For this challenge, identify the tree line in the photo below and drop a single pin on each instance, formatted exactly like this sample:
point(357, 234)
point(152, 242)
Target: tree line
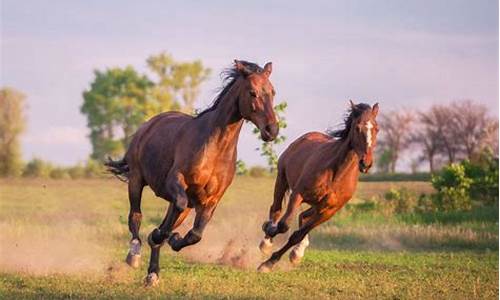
point(443, 134)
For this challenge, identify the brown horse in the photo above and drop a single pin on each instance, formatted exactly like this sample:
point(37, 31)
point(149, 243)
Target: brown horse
point(321, 170)
point(190, 161)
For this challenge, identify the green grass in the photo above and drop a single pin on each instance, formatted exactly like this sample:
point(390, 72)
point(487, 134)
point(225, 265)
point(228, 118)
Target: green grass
point(64, 239)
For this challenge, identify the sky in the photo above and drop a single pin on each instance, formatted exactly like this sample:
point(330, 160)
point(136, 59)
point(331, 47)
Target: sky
point(402, 54)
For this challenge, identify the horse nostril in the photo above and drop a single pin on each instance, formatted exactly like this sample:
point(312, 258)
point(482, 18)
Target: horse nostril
point(272, 129)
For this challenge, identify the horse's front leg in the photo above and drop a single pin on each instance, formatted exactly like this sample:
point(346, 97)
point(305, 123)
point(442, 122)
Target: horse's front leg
point(283, 225)
point(203, 216)
point(175, 192)
point(297, 237)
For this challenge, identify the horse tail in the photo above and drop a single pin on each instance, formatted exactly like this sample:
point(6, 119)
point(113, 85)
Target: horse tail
point(119, 168)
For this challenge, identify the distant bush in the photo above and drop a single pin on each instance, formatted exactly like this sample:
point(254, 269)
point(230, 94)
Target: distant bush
point(76, 172)
point(37, 168)
point(375, 177)
point(94, 169)
point(453, 188)
point(401, 200)
point(258, 171)
point(59, 173)
point(484, 176)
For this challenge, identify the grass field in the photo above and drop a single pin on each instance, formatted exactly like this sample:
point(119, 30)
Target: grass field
point(68, 239)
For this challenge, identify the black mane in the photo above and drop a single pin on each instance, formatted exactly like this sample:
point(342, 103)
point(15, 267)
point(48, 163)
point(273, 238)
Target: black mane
point(229, 77)
point(351, 114)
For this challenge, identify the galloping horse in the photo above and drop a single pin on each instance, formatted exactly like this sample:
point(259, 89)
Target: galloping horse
point(190, 161)
point(321, 170)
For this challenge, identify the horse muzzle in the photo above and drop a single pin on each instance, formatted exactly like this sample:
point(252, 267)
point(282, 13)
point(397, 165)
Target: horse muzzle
point(269, 132)
point(363, 168)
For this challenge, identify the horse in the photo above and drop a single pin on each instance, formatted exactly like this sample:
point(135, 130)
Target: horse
point(190, 160)
point(322, 171)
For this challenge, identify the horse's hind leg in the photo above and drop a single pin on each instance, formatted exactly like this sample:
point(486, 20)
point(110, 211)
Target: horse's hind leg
point(298, 251)
point(135, 187)
point(280, 189)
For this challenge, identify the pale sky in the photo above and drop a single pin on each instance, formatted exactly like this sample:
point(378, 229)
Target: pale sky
point(399, 53)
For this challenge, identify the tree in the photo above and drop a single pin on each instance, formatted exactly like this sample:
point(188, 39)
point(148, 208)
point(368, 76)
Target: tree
point(267, 148)
point(12, 124)
point(428, 135)
point(472, 127)
point(178, 83)
point(117, 100)
point(395, 134)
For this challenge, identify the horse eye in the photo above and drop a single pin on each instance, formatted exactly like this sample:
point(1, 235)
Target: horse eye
point(253, 93)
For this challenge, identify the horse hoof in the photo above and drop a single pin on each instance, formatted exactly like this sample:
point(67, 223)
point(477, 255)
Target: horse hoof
point(270, 229)
point(266, 246)
point(265, 267)
point(295, 258)
point(133, 260)
point(152, 280)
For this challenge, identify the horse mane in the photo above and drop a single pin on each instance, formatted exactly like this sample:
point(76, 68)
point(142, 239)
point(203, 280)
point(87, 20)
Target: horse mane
point(352, 113)
point(229, 77)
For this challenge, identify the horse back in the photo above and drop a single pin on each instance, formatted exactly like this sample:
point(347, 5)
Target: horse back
point(300, 154)
point(152, 149)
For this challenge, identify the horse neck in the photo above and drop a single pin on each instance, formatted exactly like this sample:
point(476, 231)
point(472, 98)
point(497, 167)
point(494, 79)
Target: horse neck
point(345, 161)
point(225, 121)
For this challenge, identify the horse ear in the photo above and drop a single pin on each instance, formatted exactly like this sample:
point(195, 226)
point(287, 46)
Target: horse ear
point(353, 106)
point(241, 67)
point(375, 110)
point(268, 69)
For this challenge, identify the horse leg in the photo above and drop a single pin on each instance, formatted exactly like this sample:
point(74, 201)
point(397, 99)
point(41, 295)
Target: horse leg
point(298, 251)
point(156, 239)
point(203, 216)
point(135, 187)
point(280, 189)
point(297, 237)
point(284, 223)
point(177, 208)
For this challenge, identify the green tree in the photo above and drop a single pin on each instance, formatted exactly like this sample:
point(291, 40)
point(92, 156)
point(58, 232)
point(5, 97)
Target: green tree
point(267, 149)
point(12, 124)
point(178, 83)
point(115, 105)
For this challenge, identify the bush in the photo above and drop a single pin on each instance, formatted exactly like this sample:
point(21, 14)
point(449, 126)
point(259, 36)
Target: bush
point(94, 169)
point(401, 200)
point(453, 188)
point(484, 176)
point(258, 171)
point(76, 172)
point(59, 173)
point(37, 168)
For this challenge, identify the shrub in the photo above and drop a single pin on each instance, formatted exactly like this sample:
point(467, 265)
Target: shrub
point(76, 172)
point(258, 171)
point(94, 169)
point(484, 176)
point(453, 188)
point(401, 200)
point(37, 168)
point(59, 173)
